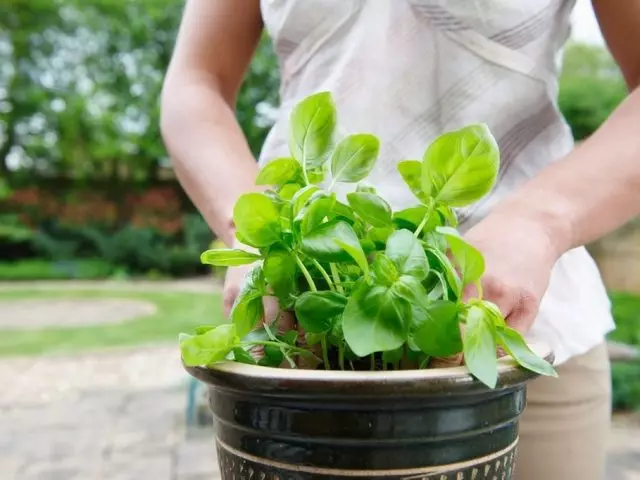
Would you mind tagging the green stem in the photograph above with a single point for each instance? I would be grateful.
(266, 343)
(325, 352)
(336, 277)
(424, 220)
(341, 356)
(324, 273)
(373, 362)
(306, 273)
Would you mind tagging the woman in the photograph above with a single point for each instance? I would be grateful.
(407, 71)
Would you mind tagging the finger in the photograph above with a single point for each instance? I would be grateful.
(271, 309)
(444, 362)
(229, 295)
(523, 313)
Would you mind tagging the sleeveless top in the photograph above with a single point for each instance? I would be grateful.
(409, 70)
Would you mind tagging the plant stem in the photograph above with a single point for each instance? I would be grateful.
(325, 352)
(266, 343)
(305, 272)
(424, 220)
(373, 362)
(341, 355)
(324, 273)
(336, 277)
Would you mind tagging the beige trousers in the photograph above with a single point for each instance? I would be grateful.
(564, 428)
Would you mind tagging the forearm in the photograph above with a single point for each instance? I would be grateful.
(593, 190)
(210, 154)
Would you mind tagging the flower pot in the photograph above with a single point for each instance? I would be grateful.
(439, 424)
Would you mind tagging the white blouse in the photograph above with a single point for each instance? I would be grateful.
(408, 70)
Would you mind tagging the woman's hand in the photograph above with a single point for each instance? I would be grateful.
(519, 256)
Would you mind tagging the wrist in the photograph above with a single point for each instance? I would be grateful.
(549, 214)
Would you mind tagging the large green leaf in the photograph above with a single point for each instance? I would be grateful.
(209, 347)
(257, 219)
(371, 208)
(334, 241)
(411, 171)
(515, 345)
(317, 312)
(354, 158)
(406, 252)
(311, 129)
(479, 345)
(228, 257)
(469, 259)
(279, 171)
(375, 320)
(436, 329)
(461, 166)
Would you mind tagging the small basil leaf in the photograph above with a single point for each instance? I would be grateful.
(375, 320)
(290, 337)
(365, 188)
(384, 270)
(461, 166)
(248, 309)
(515, 345)
(407, 253)
(280, 272)
(439, 262)
(371, 208)
(411, 171)
(242, 356)
(469, 259)
(354, 157)
(273, 357)
(479, 346)
(228, 257)
(301, 197)
(311, 130)
(334, 241)
(289, 190)
(317, 312)
(257, 219)
(204, 329)
(210, 347)
(379, 236)
(279, 171)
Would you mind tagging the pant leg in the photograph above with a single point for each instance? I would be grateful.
(564, 428)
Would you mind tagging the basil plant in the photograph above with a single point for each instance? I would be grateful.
(370, 287)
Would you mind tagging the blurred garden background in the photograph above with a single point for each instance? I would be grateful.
(90, 209)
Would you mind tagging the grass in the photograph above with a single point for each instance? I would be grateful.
(176, 312)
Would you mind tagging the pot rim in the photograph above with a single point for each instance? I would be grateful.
(238, 375)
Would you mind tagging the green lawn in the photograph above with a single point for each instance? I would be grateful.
(176, 312)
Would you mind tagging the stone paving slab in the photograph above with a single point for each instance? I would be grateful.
(119, 415)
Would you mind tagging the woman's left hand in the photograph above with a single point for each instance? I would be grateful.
(519, 256)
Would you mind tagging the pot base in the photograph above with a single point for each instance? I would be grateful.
(242, 466)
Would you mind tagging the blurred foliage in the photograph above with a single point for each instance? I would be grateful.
(35, 269)
(80, 83)
(626, 376)
(591, 87)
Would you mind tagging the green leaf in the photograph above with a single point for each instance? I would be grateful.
(317, 208)
(242, 356)
(209, 347)
(384, 270)
(290, 337)
(301, 197)
(334, 241)
(248, 309)
(479, 346)
(257, 219)
(411, 171)
(354, 158)
(288, 190)
(317, 312)
(469, 259)
(204, 329)
(371, 208)
(365, 188)
(448, 214)
(439, 262)
(273, 356)
(461, 166)
(406, 252)
(375, 320)
(280, 272)
(436, 329)
(517, 347)
(228, 257)
(311, 129)
(279, 171)
(379, 236)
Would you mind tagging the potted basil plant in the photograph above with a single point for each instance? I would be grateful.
(376, 295)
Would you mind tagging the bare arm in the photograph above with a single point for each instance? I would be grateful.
(210, 154)
(594, 190)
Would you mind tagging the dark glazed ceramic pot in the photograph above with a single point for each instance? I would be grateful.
(437, 424)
